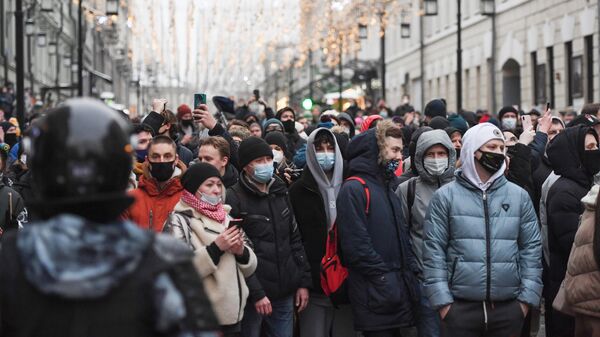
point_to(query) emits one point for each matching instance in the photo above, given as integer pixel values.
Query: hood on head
(426, 141)
(311, 156)
(346, 117)
(564, 154)
(473, 139)
(363, 154)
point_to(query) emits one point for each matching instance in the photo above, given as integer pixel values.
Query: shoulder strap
(366, 188)
(410, 198)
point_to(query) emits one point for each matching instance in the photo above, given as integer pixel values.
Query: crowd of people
(245, 221)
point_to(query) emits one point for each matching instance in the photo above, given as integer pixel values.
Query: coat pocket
(385, 293)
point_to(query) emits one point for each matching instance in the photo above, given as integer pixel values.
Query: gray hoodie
(425, 186)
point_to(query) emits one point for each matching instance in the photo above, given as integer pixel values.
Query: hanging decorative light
(29, 27)
(52, 47)
(112, 7)
(363, 32)
(430, 7)
(404, 25)
(41, 40)
(487, 7)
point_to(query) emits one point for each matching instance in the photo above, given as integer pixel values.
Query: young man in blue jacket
(482, 250)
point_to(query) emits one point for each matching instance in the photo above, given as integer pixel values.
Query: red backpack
(333, 273)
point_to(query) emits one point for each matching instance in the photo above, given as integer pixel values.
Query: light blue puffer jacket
(481, 245)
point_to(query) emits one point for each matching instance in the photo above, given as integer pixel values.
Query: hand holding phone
(199, 99)
(526, 122)
(235, 222)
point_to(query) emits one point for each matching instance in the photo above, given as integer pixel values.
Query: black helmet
(80, 160)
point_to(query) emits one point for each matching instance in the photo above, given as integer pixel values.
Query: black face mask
(289, 126)
(162, 171)
(10, 139)
(187, 122)
(491, 161)
(591, 161)
(457, 154)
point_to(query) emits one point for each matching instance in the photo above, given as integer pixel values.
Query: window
(550, 62)
(534, 77)
(589, 68)
(540, 84)
(478, 87)
(569, 71)
(577, 77)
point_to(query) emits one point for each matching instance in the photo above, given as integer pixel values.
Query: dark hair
(394, 132)
(323, 137)
(162, 139)
(596, 243)
(218, 143)
(591, 109)
(171, 119)
(238, 122)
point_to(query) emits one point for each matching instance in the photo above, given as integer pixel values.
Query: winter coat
(563, 204)
(270, 225)
(519, 170)
(231, 176)
(583, 275)
(481, 245)
(152, 205)
(423, 188)
(539, 177)
(184, 154)
(375, 247)
(224, 282)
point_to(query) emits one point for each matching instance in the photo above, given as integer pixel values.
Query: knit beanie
(252, 148)
(183, 110)
(439, 123)
(458, 122)
(196, 175)
(506, 109)
(436, 107)
(277, 138)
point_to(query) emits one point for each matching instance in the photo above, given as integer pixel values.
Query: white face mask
(211, 199)
(277, 156)
(509, 123)
(436, 166)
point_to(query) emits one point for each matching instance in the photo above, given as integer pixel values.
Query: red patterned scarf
(216, 212)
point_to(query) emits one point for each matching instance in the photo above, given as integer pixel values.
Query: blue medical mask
(263, 173)
(326, 160)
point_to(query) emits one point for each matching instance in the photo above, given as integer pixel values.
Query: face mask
(277, 156)
(326, 160)
(210, 199)
(383, 113)
(162, 171)
(509, 123)
(435, 166)
(263, 173)
(391, 167)
(10, 139)
(591, 161)
(457, 154)
(347, 130)
(491, 161)
(187, 122)
(289, 126)
(141, 155)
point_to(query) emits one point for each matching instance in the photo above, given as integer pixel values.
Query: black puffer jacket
(564, 203)
(539, 177)
(270, 224)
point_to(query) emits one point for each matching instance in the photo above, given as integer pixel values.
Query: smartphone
(256, 94)
(199, 99)
(526, 122)
(547, 106)
(235, 222)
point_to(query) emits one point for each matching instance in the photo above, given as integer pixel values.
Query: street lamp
(487, 7)
(404, 25)
(52, 47)
(363, 32)
(112, 7)
(431, 7)
(29, 27)
(41, 40)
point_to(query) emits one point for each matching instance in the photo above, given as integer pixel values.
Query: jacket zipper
(487, 246)
(276, 238)
(151, 220)
(453, 271)
(239, 284)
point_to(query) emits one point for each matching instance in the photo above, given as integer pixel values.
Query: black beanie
(439, 123)
(252, 148)
(506, 109)
(436, 107)
(196, 174)
(276, 138)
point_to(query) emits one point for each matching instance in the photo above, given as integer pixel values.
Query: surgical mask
(141, 155)
(383, 113)
(263, 173)
(213, 200)
(326, 160)
(435, 166)
(162, 171)
(277, 156)
(509, 123)
(591, 161)
(391, 167)
(491, 161)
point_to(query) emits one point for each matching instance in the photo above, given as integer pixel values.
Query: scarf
(215, 212)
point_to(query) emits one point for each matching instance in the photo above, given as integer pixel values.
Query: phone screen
(526, 121)
(199, 99)
(235, 222)
(547, 106)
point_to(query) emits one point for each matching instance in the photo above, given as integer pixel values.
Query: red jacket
(152, 206)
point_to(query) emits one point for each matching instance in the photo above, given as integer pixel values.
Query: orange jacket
(152, 205)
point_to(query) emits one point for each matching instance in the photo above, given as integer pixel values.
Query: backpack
(333, 273)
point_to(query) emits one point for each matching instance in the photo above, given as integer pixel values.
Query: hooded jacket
(583, 273)
(111, 279)
(375, 246)
(425, 185)
(481, 240)
(153, 205)
(563, 204)
(346, 117)
(309, 204)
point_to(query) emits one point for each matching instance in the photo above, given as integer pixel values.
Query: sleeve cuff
(214, 252)
(244, 258)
